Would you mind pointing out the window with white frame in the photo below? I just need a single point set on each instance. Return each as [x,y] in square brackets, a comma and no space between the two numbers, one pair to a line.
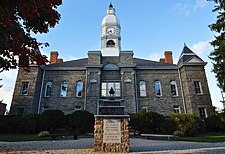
[107,85]
[176,109]
[48,89]
[77,108]
[158,90]
[142,88]
[63,89]
[144,108]
[173,87]
[24,88]
[202,113]
[79,89]
[198,87]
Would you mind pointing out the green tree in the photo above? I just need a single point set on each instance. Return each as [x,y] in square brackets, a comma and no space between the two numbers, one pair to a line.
[18,20]
[218,54]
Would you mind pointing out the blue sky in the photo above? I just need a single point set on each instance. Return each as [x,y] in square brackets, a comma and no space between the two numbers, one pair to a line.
[147,27]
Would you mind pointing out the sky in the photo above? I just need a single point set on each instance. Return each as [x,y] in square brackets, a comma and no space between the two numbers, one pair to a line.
[147,27]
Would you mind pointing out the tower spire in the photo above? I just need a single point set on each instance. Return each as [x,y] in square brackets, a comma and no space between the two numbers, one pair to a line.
[110,5]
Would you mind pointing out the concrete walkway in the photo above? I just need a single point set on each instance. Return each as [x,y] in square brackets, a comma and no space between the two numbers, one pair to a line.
[85,145]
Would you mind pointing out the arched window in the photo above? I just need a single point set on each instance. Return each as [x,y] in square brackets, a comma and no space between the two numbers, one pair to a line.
[158,90]
[63,89]
[173,87]
[110,43]
[79,89]
[142,88]
[110,66]
[48,89]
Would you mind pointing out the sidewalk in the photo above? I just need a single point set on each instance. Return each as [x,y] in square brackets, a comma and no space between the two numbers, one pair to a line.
[85,146]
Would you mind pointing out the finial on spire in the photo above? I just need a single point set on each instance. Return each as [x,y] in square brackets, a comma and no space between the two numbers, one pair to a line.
[110,5]
[185,44]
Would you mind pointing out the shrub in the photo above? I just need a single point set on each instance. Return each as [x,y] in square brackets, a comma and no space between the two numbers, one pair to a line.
[168,126]
[146,122]
[52,119]
[44,134]
[81,122]
[29,124]
[187,124]
[9,124]
[214,123]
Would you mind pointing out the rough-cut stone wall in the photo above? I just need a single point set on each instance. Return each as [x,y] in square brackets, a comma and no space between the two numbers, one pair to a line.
[99,146]
[161,104]
[66,104]
[189,74]
[30,101]
[2,108]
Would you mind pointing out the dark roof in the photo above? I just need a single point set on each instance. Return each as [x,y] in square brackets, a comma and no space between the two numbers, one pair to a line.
[82,63]
[110,5]
[69,64]
[186,55]
[149,63]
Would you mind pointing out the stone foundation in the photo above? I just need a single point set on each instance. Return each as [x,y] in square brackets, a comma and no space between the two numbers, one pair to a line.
[99,143]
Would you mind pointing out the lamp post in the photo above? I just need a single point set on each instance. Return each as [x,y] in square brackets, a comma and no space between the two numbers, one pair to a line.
[111,93]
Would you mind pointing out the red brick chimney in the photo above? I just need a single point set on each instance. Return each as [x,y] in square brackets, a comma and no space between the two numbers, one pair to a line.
[162,60]
[54,58]
[168,57]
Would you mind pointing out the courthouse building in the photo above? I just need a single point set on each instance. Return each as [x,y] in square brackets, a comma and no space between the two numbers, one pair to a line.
[139,84]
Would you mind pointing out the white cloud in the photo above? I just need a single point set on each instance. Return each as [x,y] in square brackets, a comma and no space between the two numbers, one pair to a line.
[8,81]
[199,4]
[182,9]
[155,56]
[200,47]
[68,58]
[186,10]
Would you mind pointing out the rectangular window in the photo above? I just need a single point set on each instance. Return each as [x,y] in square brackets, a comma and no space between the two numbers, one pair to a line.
[144,108]
[106,86]
[173,87]
[142,88]
[77,108]
[176,109]
[202,113]
[198,87]
[158,90]
[20,111]
[24,88]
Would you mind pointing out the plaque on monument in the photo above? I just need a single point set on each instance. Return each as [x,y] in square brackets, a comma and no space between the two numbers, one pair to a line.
[112,131]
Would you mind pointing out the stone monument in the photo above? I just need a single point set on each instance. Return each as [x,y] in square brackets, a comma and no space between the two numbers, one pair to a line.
[111,132]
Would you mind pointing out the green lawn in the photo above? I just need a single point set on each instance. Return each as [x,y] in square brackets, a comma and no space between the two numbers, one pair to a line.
[210,137]
[19,137]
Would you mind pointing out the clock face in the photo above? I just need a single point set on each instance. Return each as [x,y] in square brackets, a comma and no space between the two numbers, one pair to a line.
[110,30]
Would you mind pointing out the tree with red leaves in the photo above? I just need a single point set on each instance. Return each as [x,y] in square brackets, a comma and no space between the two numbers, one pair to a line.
[18,20]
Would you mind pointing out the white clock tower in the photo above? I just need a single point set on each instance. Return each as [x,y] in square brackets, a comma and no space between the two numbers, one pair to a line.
[110,39]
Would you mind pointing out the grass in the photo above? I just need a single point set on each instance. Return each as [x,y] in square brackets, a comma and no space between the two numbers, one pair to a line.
[210,137]
[21,137]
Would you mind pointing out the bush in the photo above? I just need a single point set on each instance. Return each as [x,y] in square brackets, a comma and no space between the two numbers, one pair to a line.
[81,122]
[168,126]
[52,119]
[187,124]
[214,123]
[44,134]
[146,122]
[9,124]
[29,124]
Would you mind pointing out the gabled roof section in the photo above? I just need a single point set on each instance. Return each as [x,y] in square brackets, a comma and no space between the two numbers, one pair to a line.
[189,57]
[68,65]
[149,64]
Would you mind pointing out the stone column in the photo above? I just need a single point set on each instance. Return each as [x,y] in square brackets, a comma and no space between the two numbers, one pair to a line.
[111,133]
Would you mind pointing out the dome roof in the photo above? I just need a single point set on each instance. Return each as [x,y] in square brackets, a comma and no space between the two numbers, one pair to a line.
[110,18]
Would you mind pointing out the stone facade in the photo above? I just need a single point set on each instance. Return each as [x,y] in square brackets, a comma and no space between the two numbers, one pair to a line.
[100,146]
[80,84]
[2,108]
